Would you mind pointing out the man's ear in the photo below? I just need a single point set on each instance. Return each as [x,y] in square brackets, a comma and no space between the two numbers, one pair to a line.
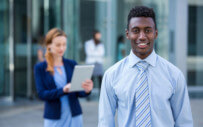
[127,33]
[156,34]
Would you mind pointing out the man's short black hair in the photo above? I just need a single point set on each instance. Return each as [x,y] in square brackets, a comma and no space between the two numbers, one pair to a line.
[141,11]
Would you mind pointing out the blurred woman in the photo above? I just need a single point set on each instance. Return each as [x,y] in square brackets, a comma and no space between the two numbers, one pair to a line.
[52,77]
[41,50]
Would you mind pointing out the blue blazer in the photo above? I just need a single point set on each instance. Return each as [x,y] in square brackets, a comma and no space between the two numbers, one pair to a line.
[47,90]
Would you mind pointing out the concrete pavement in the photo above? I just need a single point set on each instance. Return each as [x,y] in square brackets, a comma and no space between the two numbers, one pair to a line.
[28,113]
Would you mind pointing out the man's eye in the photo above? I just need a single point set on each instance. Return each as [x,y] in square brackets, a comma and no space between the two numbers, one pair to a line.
[136,31]
[148,31]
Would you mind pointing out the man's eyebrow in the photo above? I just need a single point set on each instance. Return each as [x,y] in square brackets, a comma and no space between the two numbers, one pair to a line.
[135,27]
[149,27]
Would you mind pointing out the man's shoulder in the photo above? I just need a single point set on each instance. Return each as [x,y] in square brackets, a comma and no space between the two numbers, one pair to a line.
[168,65]
[173,73]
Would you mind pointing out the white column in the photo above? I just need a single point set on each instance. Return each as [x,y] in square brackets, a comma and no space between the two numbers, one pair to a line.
[46,16]
[178,18]
[111,32]
[11,50]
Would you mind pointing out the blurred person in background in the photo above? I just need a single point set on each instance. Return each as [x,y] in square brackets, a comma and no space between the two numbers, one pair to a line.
[145,89]
[53,77]
[41,50]
[121,50]
[94,50]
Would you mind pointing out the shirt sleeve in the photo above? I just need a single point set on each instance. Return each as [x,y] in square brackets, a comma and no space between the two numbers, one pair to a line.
[181,105]
[107,104]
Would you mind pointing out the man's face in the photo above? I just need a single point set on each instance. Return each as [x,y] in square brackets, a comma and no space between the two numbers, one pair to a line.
[98,36]
[142,33]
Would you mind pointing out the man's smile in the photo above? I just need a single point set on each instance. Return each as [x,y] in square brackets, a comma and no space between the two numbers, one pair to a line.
[143,45]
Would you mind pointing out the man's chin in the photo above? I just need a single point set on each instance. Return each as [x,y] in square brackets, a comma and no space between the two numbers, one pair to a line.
[145,52]
[142,52]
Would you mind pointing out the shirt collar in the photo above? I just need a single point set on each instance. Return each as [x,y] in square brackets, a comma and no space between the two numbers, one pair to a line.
[151,59]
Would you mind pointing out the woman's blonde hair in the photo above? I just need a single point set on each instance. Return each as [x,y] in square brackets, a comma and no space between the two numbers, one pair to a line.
[53,33]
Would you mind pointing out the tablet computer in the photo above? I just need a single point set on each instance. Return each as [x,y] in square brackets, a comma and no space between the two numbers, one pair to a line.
[80,74]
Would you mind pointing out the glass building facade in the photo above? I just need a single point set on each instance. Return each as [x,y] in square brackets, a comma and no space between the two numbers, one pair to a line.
[195,46]
[4,49]
[24,22]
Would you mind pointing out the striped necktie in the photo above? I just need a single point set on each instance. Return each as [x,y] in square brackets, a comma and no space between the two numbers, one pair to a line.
[143,113]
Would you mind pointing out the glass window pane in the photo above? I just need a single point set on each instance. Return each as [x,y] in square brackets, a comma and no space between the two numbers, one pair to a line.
[4,48]
[20,47]
[195,52]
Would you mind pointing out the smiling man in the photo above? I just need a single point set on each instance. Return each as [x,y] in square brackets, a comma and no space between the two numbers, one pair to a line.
[144,88]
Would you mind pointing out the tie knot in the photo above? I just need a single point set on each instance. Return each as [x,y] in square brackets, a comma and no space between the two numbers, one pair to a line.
[142,65]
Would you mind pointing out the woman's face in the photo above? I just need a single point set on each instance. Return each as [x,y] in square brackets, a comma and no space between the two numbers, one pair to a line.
[58,46]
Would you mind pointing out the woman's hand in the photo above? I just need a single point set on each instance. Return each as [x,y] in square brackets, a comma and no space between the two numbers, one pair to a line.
[87,86]
[66,88]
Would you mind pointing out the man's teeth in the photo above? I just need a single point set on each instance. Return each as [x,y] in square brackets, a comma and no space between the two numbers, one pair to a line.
[143,44]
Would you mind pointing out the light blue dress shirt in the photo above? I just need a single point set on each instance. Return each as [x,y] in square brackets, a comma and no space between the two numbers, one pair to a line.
[169,101]
[66,119]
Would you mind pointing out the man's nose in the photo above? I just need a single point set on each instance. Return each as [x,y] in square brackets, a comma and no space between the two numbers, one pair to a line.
[142,36]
